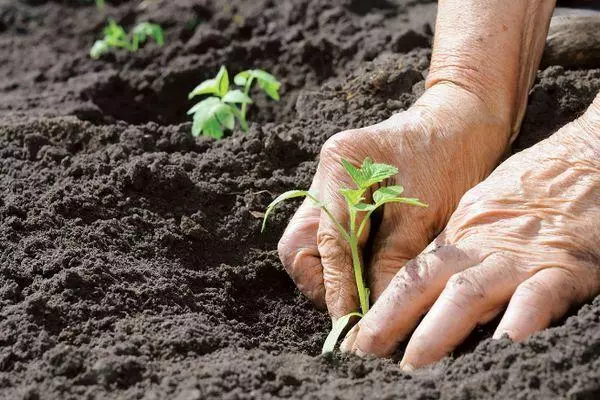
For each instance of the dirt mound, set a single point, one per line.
(130, 260)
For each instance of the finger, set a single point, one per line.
(393, 247)
(540, 300)
(299, 253)
(467, 300)
(410, 294)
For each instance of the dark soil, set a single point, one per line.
(131, 264)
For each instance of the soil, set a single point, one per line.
(131, 264)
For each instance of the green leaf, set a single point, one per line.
(369, 173)
(267, 82)
(353, 196)
(237, 96)
(143, 30)
(204, 105)
(336, 331)
(388, 192)
(241, 78)
(211, 115)
(282, 197)
(99, 48)
(364, 207)
(405, 200)
(207, 87)
(222, 79)
(114, 31)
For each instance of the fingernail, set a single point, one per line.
(406, 367)
(348, 342)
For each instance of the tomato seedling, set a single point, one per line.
(115, 37)
(218, 112)
(364, 178)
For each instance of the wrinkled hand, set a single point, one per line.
(444, 145)
(528, 236)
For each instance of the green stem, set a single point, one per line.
(247, 88)
(358, 276)
(340, 228)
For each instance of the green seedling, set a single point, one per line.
(115, 37)
(100, 5)
(218, 112)
(368, 175)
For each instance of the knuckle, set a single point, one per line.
(415, 275)
(371, 338)
(330, 245)
(532, 289)
(464, 289)
(339, 145)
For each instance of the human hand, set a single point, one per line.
(443, 145)
(527, 236)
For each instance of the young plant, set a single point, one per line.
(364, 178)
(218, 112)
(115, 37)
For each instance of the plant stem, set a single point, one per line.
(247, 88)
(358, 276)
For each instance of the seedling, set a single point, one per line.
(364, 178)
(218, 112)
(115, 37)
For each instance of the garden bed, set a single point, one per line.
(131, 263)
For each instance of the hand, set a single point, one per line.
(445, 144)
(528, 236)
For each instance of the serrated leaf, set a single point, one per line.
(237, 96)
(282, 197)
(369, 173)
(222, 79)
(388, 192)
(353, 196)
(207, 87)
(336, 331)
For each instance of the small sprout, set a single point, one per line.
(100, 5)
(364, 178)
(115, 37)
(218, 112)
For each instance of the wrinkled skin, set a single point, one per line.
(528, 236)
(416, 141)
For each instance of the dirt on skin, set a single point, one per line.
(131, 264)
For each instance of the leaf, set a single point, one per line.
(207, 87)
(404, 200)
(241, 78)
(282, 197)
(364, 207)
(143, 30)
(114, 31)
(271, 89)
(222, 79)
(237, 96)
(99, 48)
(267, 82)
(369, 173)
(204, 104)
(353, 196)
(210, 116)
(338, 327)
(388, 192)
